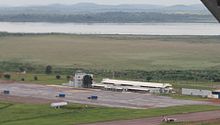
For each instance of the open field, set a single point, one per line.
(184, 61)
(114, 52)
(33, 114)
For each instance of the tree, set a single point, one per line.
(87, 81)
(68, 78)
(7, 76)
(21, 69)
(58, 76)
(48, 69)
(148, 78)
(35, 78)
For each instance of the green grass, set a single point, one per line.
(42, 79)
(115, 52)
(25, 114)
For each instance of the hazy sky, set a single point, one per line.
(45, 2)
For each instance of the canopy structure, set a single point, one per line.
(135, 83)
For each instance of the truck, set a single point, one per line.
(93, 97)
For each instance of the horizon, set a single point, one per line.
(12, 3)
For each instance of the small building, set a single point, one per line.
(216, 94)
(203, 93)
(196, 92)
(133, 86)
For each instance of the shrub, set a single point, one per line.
(58, 76)
(35, 78)
(21, 69)
(149, 78)
(68, 77)
(7, 76)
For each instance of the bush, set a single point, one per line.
(7, 76)
(35, 78)
(22, 79)
(149, 79)
(21, 69)
(68, 77)
(58, 77)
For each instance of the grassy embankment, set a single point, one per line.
(26, 114)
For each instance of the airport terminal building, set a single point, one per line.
(133, 86)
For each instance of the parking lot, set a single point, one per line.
(105, 98)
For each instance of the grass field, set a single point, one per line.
(42, 79)
(25, 114)
(102, 53)
(115, 52)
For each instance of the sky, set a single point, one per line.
(109, 2)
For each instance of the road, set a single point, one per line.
(189, 117)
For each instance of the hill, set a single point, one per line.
(94, 13)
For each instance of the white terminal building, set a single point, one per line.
(133, 86)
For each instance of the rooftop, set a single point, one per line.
(135, 83)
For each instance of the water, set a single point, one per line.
(135, 29)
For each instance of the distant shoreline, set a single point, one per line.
(210, 29)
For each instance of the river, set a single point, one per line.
(135, 29)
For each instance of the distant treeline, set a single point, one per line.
(163, 75)
(107, 17)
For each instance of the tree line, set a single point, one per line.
(157, 75)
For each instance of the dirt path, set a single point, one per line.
(190, 117)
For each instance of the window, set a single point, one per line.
(218, 2)
(108, 83)
(126, 85)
